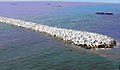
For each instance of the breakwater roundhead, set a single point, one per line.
(84, 39)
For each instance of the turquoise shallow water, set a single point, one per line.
(22, 49)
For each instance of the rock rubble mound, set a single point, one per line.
(84, 39)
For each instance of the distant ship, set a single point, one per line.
(13, 4)
(105, 13)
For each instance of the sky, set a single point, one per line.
(106, 1)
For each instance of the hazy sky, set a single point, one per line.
(111, 1)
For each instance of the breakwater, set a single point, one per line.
(80, 38)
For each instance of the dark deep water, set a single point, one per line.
(22, 49)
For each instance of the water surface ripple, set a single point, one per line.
(22, 49)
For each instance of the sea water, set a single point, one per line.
(22, 49)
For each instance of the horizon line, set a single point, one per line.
(63, 1)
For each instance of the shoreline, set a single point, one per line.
(83, 39)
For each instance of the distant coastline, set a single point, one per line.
(64, 2)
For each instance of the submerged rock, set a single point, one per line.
(84, 39)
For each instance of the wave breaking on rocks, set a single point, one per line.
(83, 39)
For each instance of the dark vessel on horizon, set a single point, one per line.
(104, 13)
